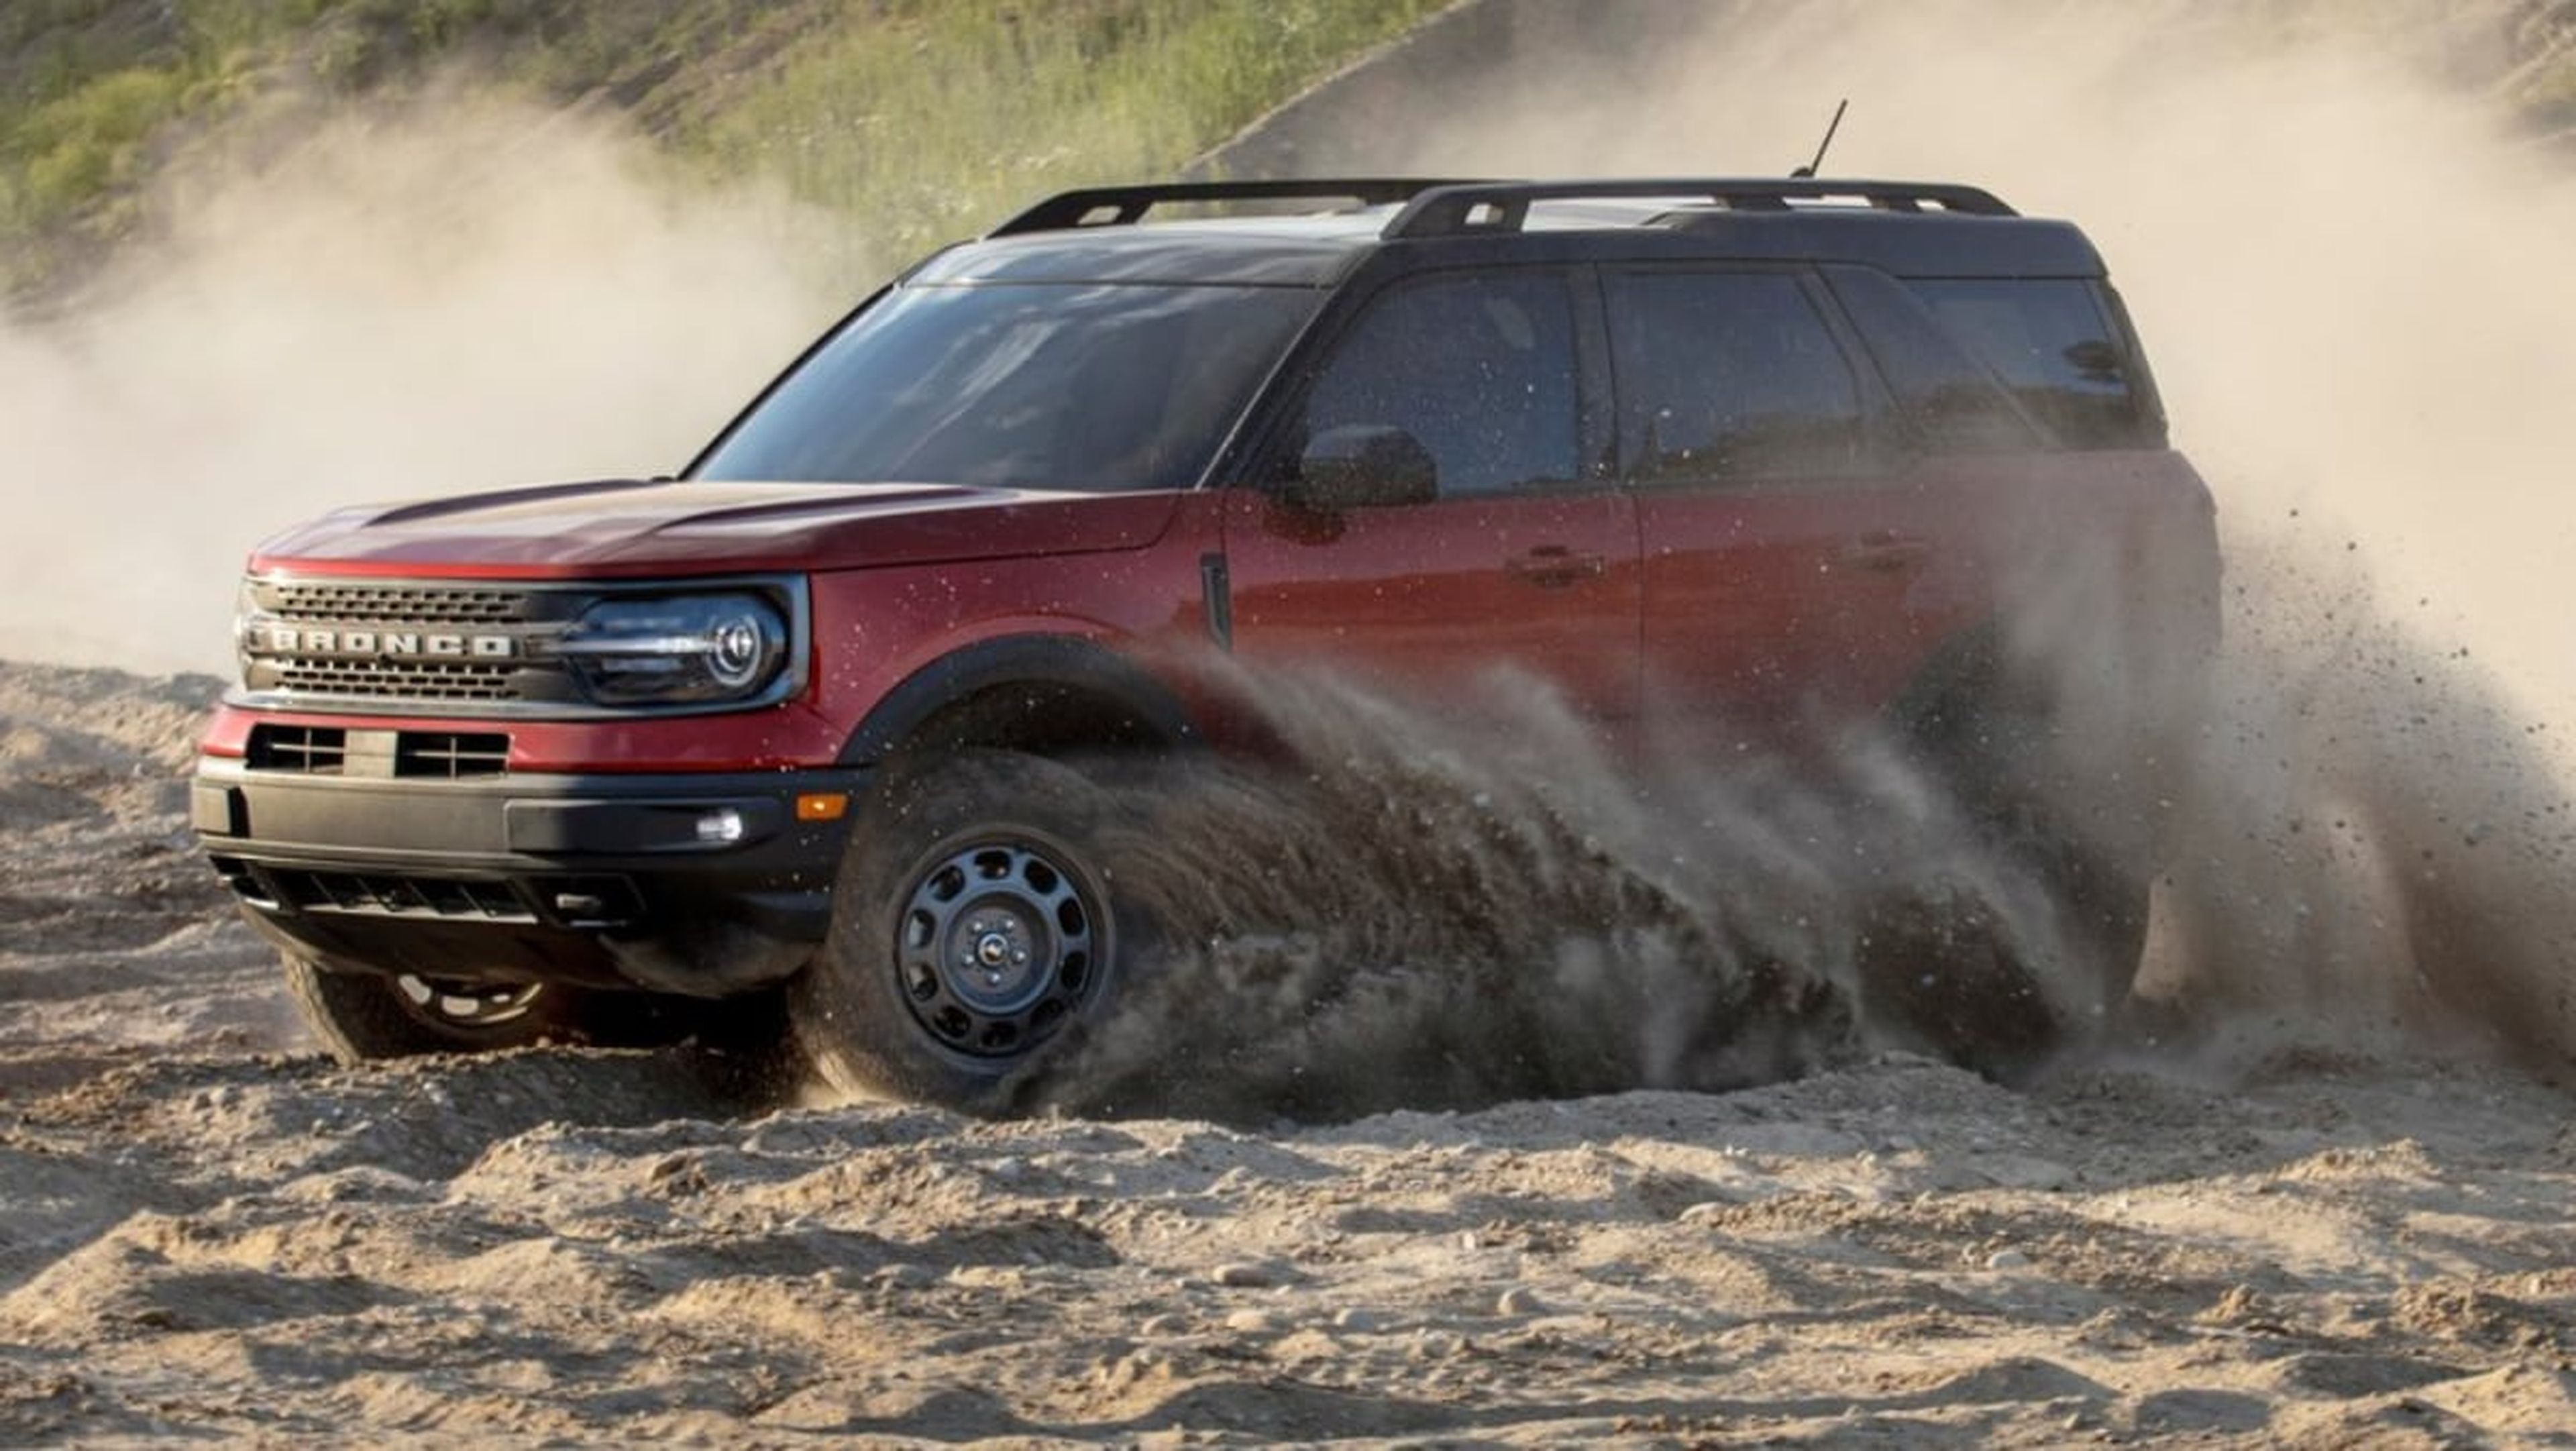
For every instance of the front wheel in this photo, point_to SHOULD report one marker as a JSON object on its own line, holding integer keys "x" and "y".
{"x": 362, "y": 1017}
{"x": 973, "y": 933}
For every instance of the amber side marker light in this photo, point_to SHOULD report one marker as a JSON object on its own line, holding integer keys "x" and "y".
{"x": 822, "y": 806}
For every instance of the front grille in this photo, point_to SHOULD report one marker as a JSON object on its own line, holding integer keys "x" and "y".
{"x": 348, "y": 644}
{"x": 385, "y": 604}
{"x": 451, "y": 755}
{"x": 388, "y": 680}
{"x": 306, "y": 750}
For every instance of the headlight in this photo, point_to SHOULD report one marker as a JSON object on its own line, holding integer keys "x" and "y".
{"x": 690, "y": 650}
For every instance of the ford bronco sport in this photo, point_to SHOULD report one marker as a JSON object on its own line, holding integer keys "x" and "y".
{"x": 558, "y": 761}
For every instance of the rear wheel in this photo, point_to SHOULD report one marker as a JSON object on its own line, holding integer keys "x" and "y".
{"x": 362, "y": 1017}
{"x": 2003, "y": 984}
{"x": 973, "y": 934}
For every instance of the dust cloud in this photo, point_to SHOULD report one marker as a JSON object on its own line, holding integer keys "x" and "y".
{"x": 1453, "y": 904}
{"x": 2357, "y": 847}
{"x": 1419, "y": 909}
{"x": 2381, "y": 843}
{"x": 439, "y": 295}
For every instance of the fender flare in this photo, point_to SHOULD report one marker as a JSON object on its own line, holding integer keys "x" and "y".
{"x": 1057, "y": 662}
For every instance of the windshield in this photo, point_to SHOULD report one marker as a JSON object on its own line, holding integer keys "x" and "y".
{"x": 1080, "y": 386}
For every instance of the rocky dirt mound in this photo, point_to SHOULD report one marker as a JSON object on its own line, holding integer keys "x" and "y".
{"x": 114, "y": 938}
{"x": 588, "y": 1248}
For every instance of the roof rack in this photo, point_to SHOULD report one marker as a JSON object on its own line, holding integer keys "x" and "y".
{"x": 1126, "y": 205}
{"x": 1503, "y": 206}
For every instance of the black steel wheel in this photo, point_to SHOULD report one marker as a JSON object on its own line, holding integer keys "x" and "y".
{"x": 999, "y": 943}
{"x": 974, "y": 932}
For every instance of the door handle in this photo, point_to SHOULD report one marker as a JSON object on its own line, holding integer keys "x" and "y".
{"x": 1886, "y": 551}
{"x": 1553, "y": 566}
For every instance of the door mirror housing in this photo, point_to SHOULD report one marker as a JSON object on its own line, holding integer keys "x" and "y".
{"x": 1363, "y": 465}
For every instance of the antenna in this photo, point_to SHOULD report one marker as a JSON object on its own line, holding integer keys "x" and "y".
{"x": 1830, "y": 128}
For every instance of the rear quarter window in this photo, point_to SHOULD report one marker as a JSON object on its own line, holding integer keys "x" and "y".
{"x": 1946, "y": 401}
{"x": 2057, "y": 349}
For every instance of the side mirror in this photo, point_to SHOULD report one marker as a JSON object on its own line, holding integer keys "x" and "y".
{"x": 1363, "y": 465}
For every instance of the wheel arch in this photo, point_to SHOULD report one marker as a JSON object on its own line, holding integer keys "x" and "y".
{"x": 1042, "y": 694}
{"x": 1969, "y": 674}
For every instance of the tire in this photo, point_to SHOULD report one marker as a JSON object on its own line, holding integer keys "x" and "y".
{"x": 974, "y": 936}
{"x": 2002, "y": 997}
{"x": 364, "y": 1017}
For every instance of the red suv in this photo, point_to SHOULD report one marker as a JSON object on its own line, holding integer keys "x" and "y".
{"x": 555, "y": 761}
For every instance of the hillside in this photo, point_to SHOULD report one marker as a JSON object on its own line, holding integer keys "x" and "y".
{"x": 927, "y": 116}
{"x": 923, "y": 117}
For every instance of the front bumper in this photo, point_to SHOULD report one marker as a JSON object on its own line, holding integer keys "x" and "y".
{"x": 701, "y": 884}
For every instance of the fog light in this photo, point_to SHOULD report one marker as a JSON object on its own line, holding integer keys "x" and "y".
{"x": 721, "y": 827}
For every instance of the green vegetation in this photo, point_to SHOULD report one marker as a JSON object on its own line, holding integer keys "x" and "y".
{"x": 939, "y": 116}
{"x": 929, "y": 118}
{"x": 77, "y": 145}
{"x": 2543, "y": 86}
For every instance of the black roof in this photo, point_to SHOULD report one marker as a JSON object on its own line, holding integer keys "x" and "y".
{"x": 1905, "y": 228}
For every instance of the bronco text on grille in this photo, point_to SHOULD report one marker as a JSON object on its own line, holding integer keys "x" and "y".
{"x": 400, "y": 643}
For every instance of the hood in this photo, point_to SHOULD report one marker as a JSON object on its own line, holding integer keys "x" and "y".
{"x": 626, "y": 527}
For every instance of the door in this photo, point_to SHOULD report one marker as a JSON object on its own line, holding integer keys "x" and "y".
{"x": 1792, "y": 578}
{"x": 1520, "y": 556}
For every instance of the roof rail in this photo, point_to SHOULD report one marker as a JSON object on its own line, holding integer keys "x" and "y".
{"x": 1128, "y": 204}
{"x": 1503, "y": 206}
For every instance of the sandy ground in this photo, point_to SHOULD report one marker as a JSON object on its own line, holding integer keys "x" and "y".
{"x": 207, "y": 1231}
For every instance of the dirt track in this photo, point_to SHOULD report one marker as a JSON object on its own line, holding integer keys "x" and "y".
{"x": 204, "y": 1229}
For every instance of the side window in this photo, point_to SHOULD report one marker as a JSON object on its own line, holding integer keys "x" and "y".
{"x": 1478, "y": 369}
{"x": 1728, "y": 375}
{"x": 2054, "y": 347}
